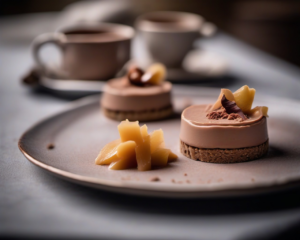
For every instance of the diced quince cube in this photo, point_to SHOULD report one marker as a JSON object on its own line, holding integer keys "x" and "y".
{"x": 260, "y": 110}
{"x": 130, "y": 131}
{"x": 136, "y": 148}
{"x": 122, "y": 164}
{"x": 172, "y": 157}
{"x": 143, "y": 155}
{"x": 158, "y": 73}
{"x": 244, "y": 98}
{"x": 144, "y": 131}
{"x": 126, "y": 150}
{"x": 108, "y": 154}
{"x": 156, "y": 140}
{"x": 159, "y": 157}
{"x": 126, "y": 154}
{"x": 264, "y": 110}
{"x": 228, "y": 94}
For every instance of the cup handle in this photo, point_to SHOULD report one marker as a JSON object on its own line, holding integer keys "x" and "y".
{"x": 54, "y": 38}
{"x": 208, "y": 29}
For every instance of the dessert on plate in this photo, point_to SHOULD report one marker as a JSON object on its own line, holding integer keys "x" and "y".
{"x": 136, "y": 148}
{"x": 139, "y": 96}
{"x": 227, "y": 131}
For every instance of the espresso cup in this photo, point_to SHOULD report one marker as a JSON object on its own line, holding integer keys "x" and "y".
{"x": 168, "y": 36}
{"x": 89, "y": 51}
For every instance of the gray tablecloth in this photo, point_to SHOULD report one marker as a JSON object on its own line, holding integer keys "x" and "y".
{"x": 34, "y": 203}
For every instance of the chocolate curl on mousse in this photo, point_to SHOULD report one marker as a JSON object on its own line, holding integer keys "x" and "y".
{"x": 231, "y": 107}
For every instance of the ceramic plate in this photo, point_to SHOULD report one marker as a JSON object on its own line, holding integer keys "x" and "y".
{"x": 79, "y": 133}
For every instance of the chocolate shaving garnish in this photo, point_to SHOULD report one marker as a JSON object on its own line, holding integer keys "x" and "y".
{"x": 231, "y": 107}
{"x": 135, "y": 76}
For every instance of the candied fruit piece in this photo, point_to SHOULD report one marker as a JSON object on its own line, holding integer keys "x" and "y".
{"x": 130, "y": 131}
{"x": 126, "y": 150}
{"x": 136, "y": 148}
{"x": 143, "y": 155}
{"x": 172, "y": 157}
{"x": 108, "y": 153}
{"x": 155, "y": 74}
{"x": 228, "y": 94}
{"x": 264, "y": 110}
{"x": 156, "y": 140}
{"x": 126, "y": 154}
{"x": 144, "y": 131}
{"x": 159, "y": 157}
{"x": 259, "y": 110}
{"x": 122, "y": 164}
{"x": 244, "y": 98}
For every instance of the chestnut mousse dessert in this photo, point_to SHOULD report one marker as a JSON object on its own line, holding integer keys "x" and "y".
{"x": 141, "y": 95}
{"x": 228, "y": 131}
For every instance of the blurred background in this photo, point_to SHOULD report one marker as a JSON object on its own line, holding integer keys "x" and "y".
{"x": 257, "y": 39}
{"x": 270, "y": 25}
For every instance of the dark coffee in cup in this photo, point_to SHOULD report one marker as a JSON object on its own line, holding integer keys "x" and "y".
{"x": 92, "y": 36}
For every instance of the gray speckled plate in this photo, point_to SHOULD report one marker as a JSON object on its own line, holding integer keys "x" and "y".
{"x": 79, "y": 133}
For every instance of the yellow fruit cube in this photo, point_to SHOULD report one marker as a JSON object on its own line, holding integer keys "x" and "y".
{"x": 264, "y": 111}
{"x": 159, "y": 158}
{"x": 144, "y": 131}
{"x": 126, "y": 154}
{"x": 122, "y": 164}
{"x": 156, "y": 140}
{"x": 259, "y": 110}
{"x": 157, "y": 73}
{"x": 136, "y": 148}
{"x": 126, "y": 150}
{"x": 228, "y": 94}
{"x": 172, "y": 157}
{"x": 108, "y": 154}
{"x": 143, "y": 155}
{"x": 244, "y": 98}
{"x": 130, "y": 131}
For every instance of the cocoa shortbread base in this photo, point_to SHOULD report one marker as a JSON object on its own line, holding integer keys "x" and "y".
{"x": 150, "y": 115}
{"x": 219, "y": 155}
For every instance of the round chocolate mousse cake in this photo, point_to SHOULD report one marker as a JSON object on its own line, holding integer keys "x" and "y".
{"x": 220, "y": 137}
{"x": 123, "y": 100}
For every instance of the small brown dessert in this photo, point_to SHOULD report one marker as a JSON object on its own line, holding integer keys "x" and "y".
{"x": 139, "y": 96}
{"x": 228, "y": 131}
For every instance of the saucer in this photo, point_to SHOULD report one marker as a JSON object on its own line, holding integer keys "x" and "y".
{"x": 71, "y": 87}
{"x": 199, "y": 66}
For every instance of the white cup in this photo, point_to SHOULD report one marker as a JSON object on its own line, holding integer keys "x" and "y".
{"x": 168, "y": 36}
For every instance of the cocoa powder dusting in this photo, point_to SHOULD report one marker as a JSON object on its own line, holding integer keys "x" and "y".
{"x": 222, "y": 114}
{"x": 233, "y": 116}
